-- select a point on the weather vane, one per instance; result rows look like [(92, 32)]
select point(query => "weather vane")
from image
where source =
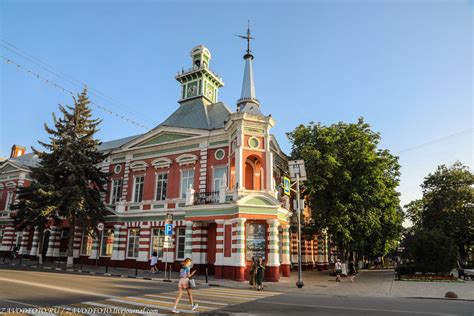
[(248, 38)]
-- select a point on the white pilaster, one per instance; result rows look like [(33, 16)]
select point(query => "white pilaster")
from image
[(273, 249)]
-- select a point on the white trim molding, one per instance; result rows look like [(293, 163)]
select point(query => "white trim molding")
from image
[(186, 159), (161, 162)]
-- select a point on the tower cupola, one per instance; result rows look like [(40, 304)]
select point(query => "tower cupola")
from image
[(199, 82)]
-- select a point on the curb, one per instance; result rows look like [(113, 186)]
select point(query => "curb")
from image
[(100, 273)]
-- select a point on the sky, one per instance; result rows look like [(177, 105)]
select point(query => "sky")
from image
[(405, 66)]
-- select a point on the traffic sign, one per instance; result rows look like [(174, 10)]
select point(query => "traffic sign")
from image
[(100, 227), (286, 185), (168, 229)]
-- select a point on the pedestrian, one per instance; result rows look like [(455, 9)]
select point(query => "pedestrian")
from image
[(338, 270), (253, 273), (184, 275), (154, 262), (352, 270), (260, 273)]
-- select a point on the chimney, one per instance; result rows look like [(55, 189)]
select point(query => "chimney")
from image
[(17, 151)]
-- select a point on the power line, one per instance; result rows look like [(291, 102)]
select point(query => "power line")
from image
[(73, 81), (60, 87), (439, 140)]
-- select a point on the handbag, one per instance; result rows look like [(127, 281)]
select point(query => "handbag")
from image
[(192, 283)]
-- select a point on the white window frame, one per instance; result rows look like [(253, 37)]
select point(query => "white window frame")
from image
[(135, 178), (115, 189), (183, 192), (18, 238), (214, 176), (86, 234), (180, 237), (161, 235), (158, 196), (8, 201), (136, 242), (105, 234)]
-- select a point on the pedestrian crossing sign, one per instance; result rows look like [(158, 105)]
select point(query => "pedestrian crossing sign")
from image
[(286, 185)]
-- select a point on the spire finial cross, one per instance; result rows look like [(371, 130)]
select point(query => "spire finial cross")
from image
[(248, 38)]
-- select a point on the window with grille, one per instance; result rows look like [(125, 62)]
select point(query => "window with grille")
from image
[(116, 191), (138, 192), (161, 186)]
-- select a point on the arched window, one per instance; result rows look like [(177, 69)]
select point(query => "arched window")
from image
[(107, 244)]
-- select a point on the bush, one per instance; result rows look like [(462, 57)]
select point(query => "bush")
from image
[(434, 252), (407, 269)]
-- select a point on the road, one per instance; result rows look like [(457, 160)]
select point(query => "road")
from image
[(39, 289)]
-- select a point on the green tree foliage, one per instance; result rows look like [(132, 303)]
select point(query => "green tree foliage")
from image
[(70, 170), (34, 207), (447, 205), (351, 184)]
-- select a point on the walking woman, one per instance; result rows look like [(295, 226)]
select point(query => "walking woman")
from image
[(338, 270), (260, 273), (253, 273), (184, 275)]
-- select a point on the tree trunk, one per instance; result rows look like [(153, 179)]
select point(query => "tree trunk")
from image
[(70, 246), (40, 245)]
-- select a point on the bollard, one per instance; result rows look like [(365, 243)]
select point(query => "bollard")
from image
[(206, 276), (21, 256), (81, 266), (136, 268), (106, 268), (170, 273)]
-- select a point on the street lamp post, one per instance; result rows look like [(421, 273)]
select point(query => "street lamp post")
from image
[(298, 173)]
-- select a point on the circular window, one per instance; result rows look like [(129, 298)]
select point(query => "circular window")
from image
[(219, 154), (117, 168), (254, 142)]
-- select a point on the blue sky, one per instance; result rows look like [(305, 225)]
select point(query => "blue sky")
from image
[(405, 66)]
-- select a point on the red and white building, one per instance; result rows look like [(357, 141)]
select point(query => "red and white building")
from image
[(215, 170)]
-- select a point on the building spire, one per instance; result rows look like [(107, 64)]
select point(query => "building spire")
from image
[(248, 101)]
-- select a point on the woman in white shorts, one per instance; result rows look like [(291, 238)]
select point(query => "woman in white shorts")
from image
[(184, 275)]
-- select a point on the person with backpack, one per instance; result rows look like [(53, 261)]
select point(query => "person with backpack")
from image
[(184, 275)]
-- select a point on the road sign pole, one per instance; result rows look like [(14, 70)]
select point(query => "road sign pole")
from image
[(299, 283)]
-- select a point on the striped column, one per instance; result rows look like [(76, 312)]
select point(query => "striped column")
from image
[(285, 260), (294, 247), (320, 263), (144, 248), (120, 243), (304, 262), (219, 263), (325, 252), (57, 242), (188, 244), (34, 244), (315, 251), (24, 242), (51, 252), (238, 248), (203, 167), (77, 242), (125, 177), (199, 254), (272, 271), (8, 238)]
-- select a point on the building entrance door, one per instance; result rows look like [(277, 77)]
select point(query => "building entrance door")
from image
[(211, 246)]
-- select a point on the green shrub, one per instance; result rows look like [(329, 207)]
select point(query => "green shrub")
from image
[(434, 252)]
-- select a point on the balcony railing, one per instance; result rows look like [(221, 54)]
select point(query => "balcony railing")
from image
[(201, 198)]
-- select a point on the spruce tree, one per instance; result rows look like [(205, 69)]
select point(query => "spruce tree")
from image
[(70, 169)]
